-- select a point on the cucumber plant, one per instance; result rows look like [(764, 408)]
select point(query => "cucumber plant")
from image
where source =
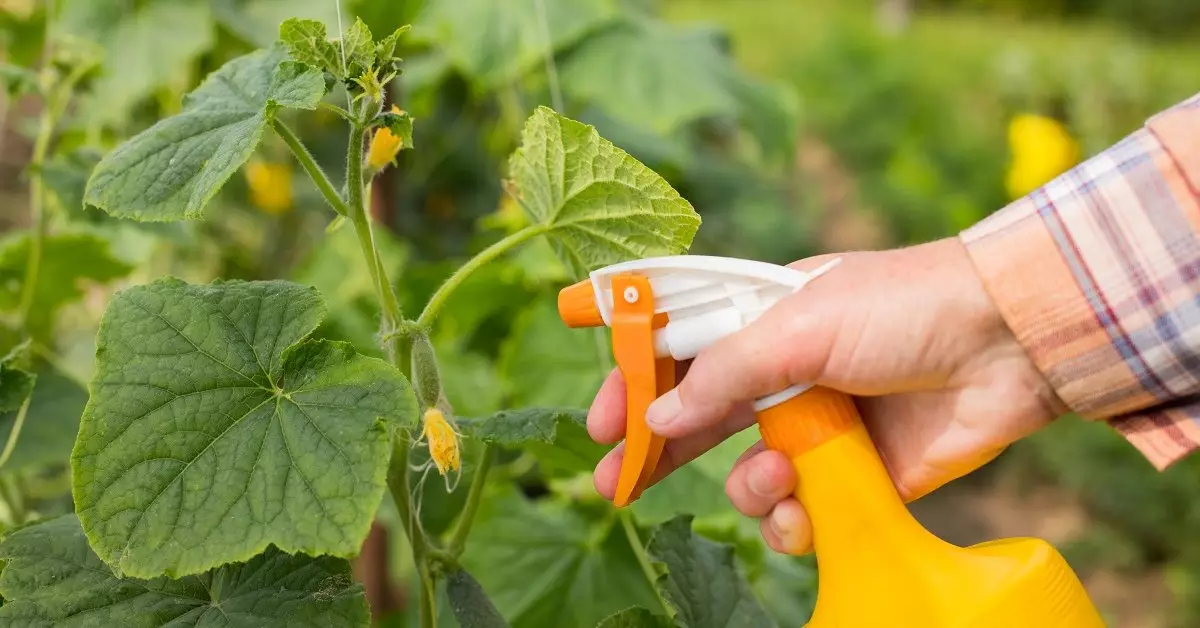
[(230, 461)]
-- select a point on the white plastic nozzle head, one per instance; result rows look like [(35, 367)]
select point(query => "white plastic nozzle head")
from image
[(705, 298)]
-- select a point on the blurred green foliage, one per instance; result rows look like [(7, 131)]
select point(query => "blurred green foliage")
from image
[(918, 118), (917, 121), (1176, 18)]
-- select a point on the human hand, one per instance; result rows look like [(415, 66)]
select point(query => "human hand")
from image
[(941, 383)]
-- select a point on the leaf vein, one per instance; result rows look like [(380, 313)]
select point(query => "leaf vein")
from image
[(175, 478), (194, 345)]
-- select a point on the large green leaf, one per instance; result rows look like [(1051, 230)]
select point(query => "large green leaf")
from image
[(470, 604), (598, 204), (547, 364), (52, 578), (216, 429), (68, 261), (702, 580), (258, 21), (495, 42), (787, 586), (147, 45), (517, 428), (659, 77), (173, 169), (655, 75), (16, 382), (543, 564), (50, 422), (557, 437)]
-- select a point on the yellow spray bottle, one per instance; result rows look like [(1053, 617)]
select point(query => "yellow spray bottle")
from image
[(878, 566)]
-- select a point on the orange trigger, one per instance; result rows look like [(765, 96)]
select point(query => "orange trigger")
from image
[(633, 323), (665, 380)]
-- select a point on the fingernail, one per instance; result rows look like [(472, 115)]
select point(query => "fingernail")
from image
[(664, 409), (759, 482), (778, 526), (786, 522), (787, 526)]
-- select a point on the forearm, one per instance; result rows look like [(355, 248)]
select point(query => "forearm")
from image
[(1098, 273)]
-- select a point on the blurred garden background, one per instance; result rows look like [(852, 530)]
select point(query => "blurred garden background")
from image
[(795, 127)]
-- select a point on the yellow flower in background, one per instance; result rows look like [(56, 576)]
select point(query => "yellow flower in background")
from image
[(384, 147), (270, 186), (20, 8), (1042, 149), (442, 441)]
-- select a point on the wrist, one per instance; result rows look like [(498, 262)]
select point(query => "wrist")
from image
[(992, 353)]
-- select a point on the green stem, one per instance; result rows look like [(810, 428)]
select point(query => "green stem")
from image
[(458, 540), (318, 176), (428, 597), (492, 252), (639, 550), (398, 471), (398, 485), (14, 432), (38, 215), (328, 106), (366, 238), (11, 494)]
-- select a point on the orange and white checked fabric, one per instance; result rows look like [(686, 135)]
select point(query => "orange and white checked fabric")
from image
[(1098, 275)]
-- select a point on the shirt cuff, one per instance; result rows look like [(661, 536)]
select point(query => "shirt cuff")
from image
[(1097, 273)]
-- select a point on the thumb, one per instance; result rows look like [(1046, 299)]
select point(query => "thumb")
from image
[(790, 343)]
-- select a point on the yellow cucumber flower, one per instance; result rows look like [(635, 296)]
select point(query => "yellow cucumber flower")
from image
[(270, 186), (443, 442), (384, 147), (1042, 149)]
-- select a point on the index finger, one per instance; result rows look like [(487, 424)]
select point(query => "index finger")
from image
[(607, 414)]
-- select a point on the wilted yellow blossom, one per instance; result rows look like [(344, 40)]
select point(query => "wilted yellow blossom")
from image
[(442, 440), (384, 147), (270, 186), (1042, 149)]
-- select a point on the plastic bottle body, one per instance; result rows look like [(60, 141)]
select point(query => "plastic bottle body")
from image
[(879, 567)]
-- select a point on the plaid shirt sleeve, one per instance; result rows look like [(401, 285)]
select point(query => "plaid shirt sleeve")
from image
[(1098, 275)]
